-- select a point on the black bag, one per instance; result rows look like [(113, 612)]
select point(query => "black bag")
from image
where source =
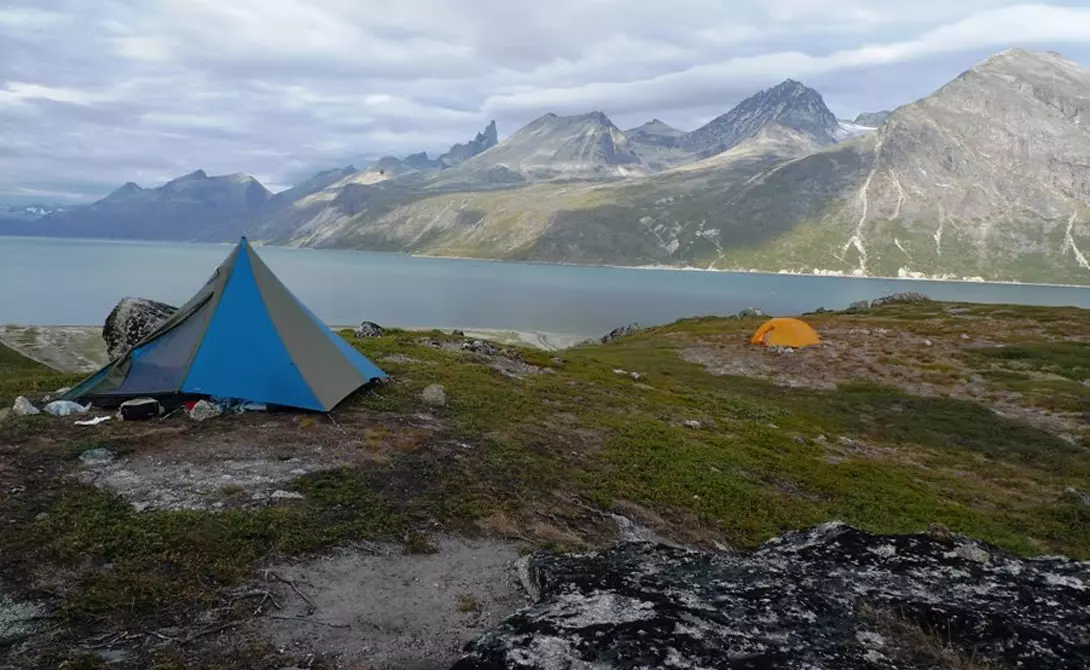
[(140, 409)]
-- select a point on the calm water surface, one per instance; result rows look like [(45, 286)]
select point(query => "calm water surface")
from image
[(77, 282)]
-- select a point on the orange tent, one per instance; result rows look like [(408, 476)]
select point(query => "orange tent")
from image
[(785, 333)]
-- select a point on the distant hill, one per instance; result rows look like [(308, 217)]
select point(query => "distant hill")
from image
[(192, 207)]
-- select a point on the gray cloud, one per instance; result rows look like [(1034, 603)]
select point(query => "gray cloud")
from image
[(96, 94)]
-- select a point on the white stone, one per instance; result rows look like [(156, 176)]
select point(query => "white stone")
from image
[(24, 407), (435, 395)]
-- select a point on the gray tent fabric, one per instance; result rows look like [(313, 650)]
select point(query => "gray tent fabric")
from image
[(242, 336)]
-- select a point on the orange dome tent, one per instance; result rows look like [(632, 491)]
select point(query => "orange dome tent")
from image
[(785, 333)]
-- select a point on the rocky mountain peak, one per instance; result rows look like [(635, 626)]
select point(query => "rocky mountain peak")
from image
[(193, 176), (789, 103), (655, 133), (127, 189), (459, 153), (587, 145)]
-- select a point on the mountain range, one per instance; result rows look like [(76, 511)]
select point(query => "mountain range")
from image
[(987, 177)]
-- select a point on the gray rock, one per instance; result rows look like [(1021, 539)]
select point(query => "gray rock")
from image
[(859, 306), (1076, 497), (368, 329), (205, 410), (130, 321), (435, 395), (831, 597), (750, 312), (4, 414), (618, 333), (692, 423), (24, 407), (896, 298), (482, 348), (287, 495), (97, 457)]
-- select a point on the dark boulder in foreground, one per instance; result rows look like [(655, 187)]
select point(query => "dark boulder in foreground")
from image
[(132, 320), (829, 597)]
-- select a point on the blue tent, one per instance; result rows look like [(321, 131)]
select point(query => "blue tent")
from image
[(243, 336)]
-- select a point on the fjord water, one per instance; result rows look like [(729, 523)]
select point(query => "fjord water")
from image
[(77, 282)]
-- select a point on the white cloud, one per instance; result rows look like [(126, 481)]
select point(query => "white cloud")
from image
[(95, 94)]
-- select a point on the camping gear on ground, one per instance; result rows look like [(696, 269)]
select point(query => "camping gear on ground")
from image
[(140, 409), (785, 332), (243, 336), (66, 408)]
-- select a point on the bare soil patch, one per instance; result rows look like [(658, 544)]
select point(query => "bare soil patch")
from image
[(379, 608), (249, 460)]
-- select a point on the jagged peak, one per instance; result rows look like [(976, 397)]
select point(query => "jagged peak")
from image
[(196, 174)]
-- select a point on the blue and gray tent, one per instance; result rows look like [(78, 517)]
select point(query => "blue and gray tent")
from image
[(243, 336)]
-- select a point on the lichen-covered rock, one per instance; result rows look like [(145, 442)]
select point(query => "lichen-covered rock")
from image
[(132, 320), (831, 597), (899, 298), (750, 312), (368, 329), (204, 410), (618, 333), (859, 306)]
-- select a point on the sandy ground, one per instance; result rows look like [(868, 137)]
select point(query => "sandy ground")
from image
[(378, 608), (82, 349)]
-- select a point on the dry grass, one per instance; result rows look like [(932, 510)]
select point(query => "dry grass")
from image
[(913, 645)]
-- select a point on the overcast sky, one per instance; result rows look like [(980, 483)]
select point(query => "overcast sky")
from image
[(97, 93)]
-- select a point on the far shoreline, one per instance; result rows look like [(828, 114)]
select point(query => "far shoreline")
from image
[(655, 267)]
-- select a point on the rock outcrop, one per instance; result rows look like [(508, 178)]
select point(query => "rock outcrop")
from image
[(132, 320), (618, 333), (829, 597)]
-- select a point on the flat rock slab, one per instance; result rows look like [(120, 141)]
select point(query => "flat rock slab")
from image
[(385, 609), (831, 597)]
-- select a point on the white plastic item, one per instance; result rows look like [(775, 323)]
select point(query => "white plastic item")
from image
[(66, 408)]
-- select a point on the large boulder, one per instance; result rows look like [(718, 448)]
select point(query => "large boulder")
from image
[(831, 597), (132, 320), (368, 329)]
